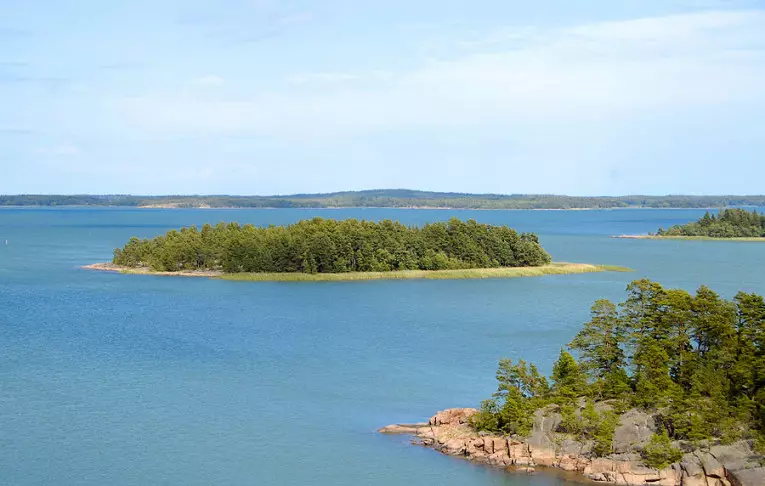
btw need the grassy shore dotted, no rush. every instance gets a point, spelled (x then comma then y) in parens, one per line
(507, 272)
(697, 238)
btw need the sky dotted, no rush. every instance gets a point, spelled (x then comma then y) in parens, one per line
(588, 97)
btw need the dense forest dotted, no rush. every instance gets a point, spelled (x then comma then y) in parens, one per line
(330, 246)
(697, 361)
(392, 198)
(730, 223)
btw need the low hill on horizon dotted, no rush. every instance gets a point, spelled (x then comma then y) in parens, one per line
(389, 198)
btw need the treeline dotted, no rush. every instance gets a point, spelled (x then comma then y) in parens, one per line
(698, 361)
(391, 198)
(730, 223)
(330, 246)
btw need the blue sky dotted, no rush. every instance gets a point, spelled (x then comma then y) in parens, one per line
(267, 97)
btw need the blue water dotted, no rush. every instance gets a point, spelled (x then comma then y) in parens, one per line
(121, 379)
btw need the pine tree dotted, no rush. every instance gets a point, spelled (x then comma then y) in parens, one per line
(600, 343)
(568, 380)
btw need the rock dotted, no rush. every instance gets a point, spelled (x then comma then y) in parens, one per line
(408, 429)
(449, 432)
(499, 458)
(499, 445)
(570, 447)
(748, 477)
(735, 456)
(452, 416)
(454, 447)
(634, 430)
(712, 468)
(691, 465)
(543, 430)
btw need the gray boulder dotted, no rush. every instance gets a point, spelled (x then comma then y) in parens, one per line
(633, 432)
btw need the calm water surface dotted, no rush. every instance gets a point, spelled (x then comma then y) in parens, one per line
(114, 379)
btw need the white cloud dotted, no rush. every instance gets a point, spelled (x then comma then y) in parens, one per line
(209, 80)
(339, 78)
(595, 72)
(297, 18)
(312, 78)
(58, 150)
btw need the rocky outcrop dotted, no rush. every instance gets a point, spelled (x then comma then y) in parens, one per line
(450, 433)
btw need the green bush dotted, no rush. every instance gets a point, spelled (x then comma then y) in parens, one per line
(604, 435)
(659, 452)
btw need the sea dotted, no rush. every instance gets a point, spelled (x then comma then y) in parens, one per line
(109, 379)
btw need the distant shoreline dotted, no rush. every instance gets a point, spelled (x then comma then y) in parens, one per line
(438, 208)
(389, 199)
(697, 238)
(560, 268)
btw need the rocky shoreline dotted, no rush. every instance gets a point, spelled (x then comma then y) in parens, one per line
(449, 432)
(111, 267)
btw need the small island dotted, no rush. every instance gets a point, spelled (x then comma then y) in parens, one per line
(731, 224)
(327, 249)
(668, 389)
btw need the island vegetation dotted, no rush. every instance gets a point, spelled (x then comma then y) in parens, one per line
(327, 246)
(729, 223)
(390, 198)
(695, 362)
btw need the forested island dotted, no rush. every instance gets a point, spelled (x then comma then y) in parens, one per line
(729, 223)
(343, 250)
(389, 198)
(668, 388)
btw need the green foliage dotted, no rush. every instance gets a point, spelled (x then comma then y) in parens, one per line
(730, 223)
(568, 380)
(696, 361)
(487, 417)
(570, 422)
(659, 452)
(329, 246)
(604, 434)
(601, 347)
(515, 416)
(590, 419)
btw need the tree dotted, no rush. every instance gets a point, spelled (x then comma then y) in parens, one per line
(568, 380)
(600, 343)
(329, 246)
(659, 452)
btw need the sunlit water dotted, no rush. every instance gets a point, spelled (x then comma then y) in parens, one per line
(115, 379)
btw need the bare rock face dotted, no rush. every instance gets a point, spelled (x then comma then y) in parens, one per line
(408, 429)
(633, 432)
(450, 432)
(452, 416)
(748, 477)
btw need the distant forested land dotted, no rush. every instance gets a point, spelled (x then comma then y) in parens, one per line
(330, 246)
(391, 198)
(730, 223)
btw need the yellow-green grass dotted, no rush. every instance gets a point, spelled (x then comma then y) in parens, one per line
(696, 238)
(558, 268)
(471, 273)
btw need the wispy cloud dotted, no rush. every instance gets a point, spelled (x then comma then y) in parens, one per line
(598, 71)
(15, 131)
(246, 22)
(306, 78)
(338, 78)
(296, 18)
(58, 150)
(13, 33)
(209, 80)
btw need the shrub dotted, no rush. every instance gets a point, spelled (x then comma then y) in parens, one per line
(659, 452)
